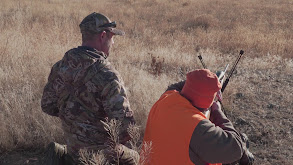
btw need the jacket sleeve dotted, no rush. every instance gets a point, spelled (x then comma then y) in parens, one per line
(49, 98)
(116, 105)
(216, 142)
(176, 86)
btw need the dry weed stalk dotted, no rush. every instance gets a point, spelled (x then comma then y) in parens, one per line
(98, 158)
(144, 148)
(112, 127)
(92, 158)
(145, 152)
(133, 131)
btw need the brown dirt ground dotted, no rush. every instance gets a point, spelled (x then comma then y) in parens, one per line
(21, 158)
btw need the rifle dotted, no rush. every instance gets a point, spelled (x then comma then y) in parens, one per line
(221, 77)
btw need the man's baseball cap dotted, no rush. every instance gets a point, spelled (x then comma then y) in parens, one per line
(96, 22)
(201, 87)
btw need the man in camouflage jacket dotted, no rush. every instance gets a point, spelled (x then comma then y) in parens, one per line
(83, 89)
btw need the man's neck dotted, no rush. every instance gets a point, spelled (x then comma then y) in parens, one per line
(89, 44)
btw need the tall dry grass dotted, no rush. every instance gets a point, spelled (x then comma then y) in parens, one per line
(36, 33)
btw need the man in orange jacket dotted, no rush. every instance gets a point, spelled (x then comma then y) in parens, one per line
(181, 134)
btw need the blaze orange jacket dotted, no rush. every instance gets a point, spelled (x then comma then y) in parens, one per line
(173, 127)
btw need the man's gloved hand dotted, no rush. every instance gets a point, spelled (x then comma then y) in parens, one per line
(216, 106)
(217, 116)
(219, 95)
(121, 154)
(247, 157)
(127, 155)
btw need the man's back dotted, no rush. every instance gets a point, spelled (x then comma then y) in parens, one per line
(170, 125)
(83, 89)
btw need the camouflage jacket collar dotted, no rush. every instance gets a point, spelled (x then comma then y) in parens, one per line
(93, 52)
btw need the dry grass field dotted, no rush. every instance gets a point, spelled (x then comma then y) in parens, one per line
(162, 42)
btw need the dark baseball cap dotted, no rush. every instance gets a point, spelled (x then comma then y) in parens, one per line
(96, 22)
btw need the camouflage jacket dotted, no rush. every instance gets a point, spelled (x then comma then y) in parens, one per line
(83, 89)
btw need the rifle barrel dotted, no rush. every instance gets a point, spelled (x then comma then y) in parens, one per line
(201, 60)
(232, 70)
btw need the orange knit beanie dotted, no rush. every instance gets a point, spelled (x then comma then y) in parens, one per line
(201, 87)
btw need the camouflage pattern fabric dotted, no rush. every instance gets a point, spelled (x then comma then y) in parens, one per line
(83, 89)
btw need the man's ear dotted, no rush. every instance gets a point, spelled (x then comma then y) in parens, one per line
(103, 34)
